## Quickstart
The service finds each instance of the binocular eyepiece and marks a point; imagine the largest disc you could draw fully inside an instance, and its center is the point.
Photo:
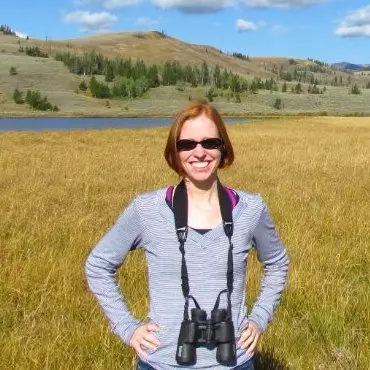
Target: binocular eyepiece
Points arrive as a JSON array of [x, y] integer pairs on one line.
[[199, 331]]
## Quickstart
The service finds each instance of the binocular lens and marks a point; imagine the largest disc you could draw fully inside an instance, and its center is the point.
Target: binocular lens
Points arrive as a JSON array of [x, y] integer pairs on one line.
[[198, 314], [218, 315]]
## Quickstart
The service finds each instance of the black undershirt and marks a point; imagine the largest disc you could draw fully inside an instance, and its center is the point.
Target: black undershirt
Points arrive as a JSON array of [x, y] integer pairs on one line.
[[201, 231]]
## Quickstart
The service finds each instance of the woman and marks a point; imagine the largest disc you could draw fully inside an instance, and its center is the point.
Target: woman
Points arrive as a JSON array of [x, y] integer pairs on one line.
[[211, 260]]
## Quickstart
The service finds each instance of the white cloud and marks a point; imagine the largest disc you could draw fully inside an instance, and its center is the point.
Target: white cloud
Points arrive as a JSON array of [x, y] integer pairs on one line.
[[209, 6], [146, 22], [108, 4], [96, 22], [21, 35], [194, 6], [243, 25], [356, 24], [284, 4], [278, 28]]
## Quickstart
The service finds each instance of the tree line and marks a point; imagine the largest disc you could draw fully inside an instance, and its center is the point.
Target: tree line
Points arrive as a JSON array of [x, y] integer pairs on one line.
[[6, 30], [34, 99], [33, 51], [132, 79]]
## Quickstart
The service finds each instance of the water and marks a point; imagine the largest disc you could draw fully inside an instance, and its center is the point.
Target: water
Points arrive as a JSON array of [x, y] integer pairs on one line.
[[66, 124]]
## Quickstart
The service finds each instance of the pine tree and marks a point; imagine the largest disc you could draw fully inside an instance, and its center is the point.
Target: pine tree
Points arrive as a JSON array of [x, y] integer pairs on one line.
[[217, 77], [109, 74], [18, 97], [153, 77], [204, 74], [278, 104]]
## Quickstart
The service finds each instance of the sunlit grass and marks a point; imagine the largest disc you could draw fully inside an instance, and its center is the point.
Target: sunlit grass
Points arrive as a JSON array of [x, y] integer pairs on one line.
[[59, 192]]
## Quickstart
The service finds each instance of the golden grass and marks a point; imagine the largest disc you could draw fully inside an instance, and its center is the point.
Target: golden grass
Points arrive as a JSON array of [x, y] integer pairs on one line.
[[61, 191]]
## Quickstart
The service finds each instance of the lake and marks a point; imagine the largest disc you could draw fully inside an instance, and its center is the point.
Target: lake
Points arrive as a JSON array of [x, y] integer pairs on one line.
[[66, 124]]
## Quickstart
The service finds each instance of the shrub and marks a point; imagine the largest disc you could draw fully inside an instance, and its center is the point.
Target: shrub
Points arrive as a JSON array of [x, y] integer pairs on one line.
[[36, 101], [82, 86], [12, 71], [355, 90], [123, 87], [18, 97], [314, 90], [298, 88], [34, 51], [180, 86], [99, 90], [211, 93], [278, 104]]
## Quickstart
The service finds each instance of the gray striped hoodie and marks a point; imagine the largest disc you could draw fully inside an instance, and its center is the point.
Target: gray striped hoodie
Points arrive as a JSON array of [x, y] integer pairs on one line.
[[148, 223]]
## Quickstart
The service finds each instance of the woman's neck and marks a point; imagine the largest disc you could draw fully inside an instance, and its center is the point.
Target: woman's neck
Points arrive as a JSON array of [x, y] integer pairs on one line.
[[202, 193]]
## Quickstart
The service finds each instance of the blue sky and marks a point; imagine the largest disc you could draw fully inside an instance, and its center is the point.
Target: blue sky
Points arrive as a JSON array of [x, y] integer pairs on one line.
[[327, 30]]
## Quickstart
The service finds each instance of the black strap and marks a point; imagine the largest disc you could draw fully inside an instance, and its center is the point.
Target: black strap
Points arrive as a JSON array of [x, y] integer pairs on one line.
[[180, 209], [227, 219]]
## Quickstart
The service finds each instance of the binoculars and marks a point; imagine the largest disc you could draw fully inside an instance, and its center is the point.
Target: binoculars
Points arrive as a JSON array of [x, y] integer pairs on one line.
[[218, 331]]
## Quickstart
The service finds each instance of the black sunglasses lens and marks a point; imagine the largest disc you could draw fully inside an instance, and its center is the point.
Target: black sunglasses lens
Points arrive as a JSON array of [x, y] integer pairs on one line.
[[185, 145], [212, 143]]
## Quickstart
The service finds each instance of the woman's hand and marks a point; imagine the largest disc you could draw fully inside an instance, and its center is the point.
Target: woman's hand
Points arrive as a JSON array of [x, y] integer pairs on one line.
[[249, 337], [143, 338]]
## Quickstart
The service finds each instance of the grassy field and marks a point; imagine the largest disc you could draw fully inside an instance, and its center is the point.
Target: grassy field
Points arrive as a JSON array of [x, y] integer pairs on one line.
[[61, 191]]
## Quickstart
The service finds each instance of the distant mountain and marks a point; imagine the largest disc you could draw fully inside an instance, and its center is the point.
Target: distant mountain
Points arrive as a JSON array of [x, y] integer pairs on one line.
[[349, 67]]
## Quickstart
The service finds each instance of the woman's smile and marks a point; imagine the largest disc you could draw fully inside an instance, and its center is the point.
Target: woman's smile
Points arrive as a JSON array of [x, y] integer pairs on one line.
[[201, 165]]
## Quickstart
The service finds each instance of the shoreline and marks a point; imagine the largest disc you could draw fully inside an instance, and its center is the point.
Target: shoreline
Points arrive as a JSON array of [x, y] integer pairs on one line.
[[19, 115], [9, 115]]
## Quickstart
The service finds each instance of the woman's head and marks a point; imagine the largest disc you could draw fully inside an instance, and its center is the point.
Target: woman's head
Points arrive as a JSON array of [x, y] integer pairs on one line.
[[196, 122]]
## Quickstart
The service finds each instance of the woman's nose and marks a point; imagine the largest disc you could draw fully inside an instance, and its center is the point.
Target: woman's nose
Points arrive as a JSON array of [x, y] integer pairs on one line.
[[199, 150]]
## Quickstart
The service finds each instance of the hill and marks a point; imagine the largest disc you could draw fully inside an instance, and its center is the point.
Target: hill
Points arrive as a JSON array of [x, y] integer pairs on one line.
[[155, 47], [53, 79], [349, 67]]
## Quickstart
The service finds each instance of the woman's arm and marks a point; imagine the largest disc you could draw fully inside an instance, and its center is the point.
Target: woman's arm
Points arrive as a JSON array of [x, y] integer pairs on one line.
[[271, 253], [101, 267]]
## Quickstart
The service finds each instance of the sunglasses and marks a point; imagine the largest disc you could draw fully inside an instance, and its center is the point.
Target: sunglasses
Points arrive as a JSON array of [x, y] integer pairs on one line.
[[187, 144]]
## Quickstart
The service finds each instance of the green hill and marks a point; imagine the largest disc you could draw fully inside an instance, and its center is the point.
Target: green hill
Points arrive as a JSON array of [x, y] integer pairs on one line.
[[53, 79]]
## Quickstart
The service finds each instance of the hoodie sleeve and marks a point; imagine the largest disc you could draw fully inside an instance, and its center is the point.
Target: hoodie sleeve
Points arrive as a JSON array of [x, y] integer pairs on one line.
[[101, 267], [271, 253]]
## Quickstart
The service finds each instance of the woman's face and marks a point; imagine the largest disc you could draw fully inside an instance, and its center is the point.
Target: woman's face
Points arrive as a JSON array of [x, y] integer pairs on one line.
[[199, 164]]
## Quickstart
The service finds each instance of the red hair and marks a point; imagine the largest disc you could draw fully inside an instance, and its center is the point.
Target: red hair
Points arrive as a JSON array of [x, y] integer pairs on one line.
[[191, 111]]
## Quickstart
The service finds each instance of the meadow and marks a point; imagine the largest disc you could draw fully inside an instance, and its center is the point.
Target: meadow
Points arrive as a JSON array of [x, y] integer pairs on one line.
[[60, 192]]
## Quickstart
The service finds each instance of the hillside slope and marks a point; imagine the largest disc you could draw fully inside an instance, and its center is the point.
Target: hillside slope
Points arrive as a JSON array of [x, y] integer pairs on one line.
[[53, 79]]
